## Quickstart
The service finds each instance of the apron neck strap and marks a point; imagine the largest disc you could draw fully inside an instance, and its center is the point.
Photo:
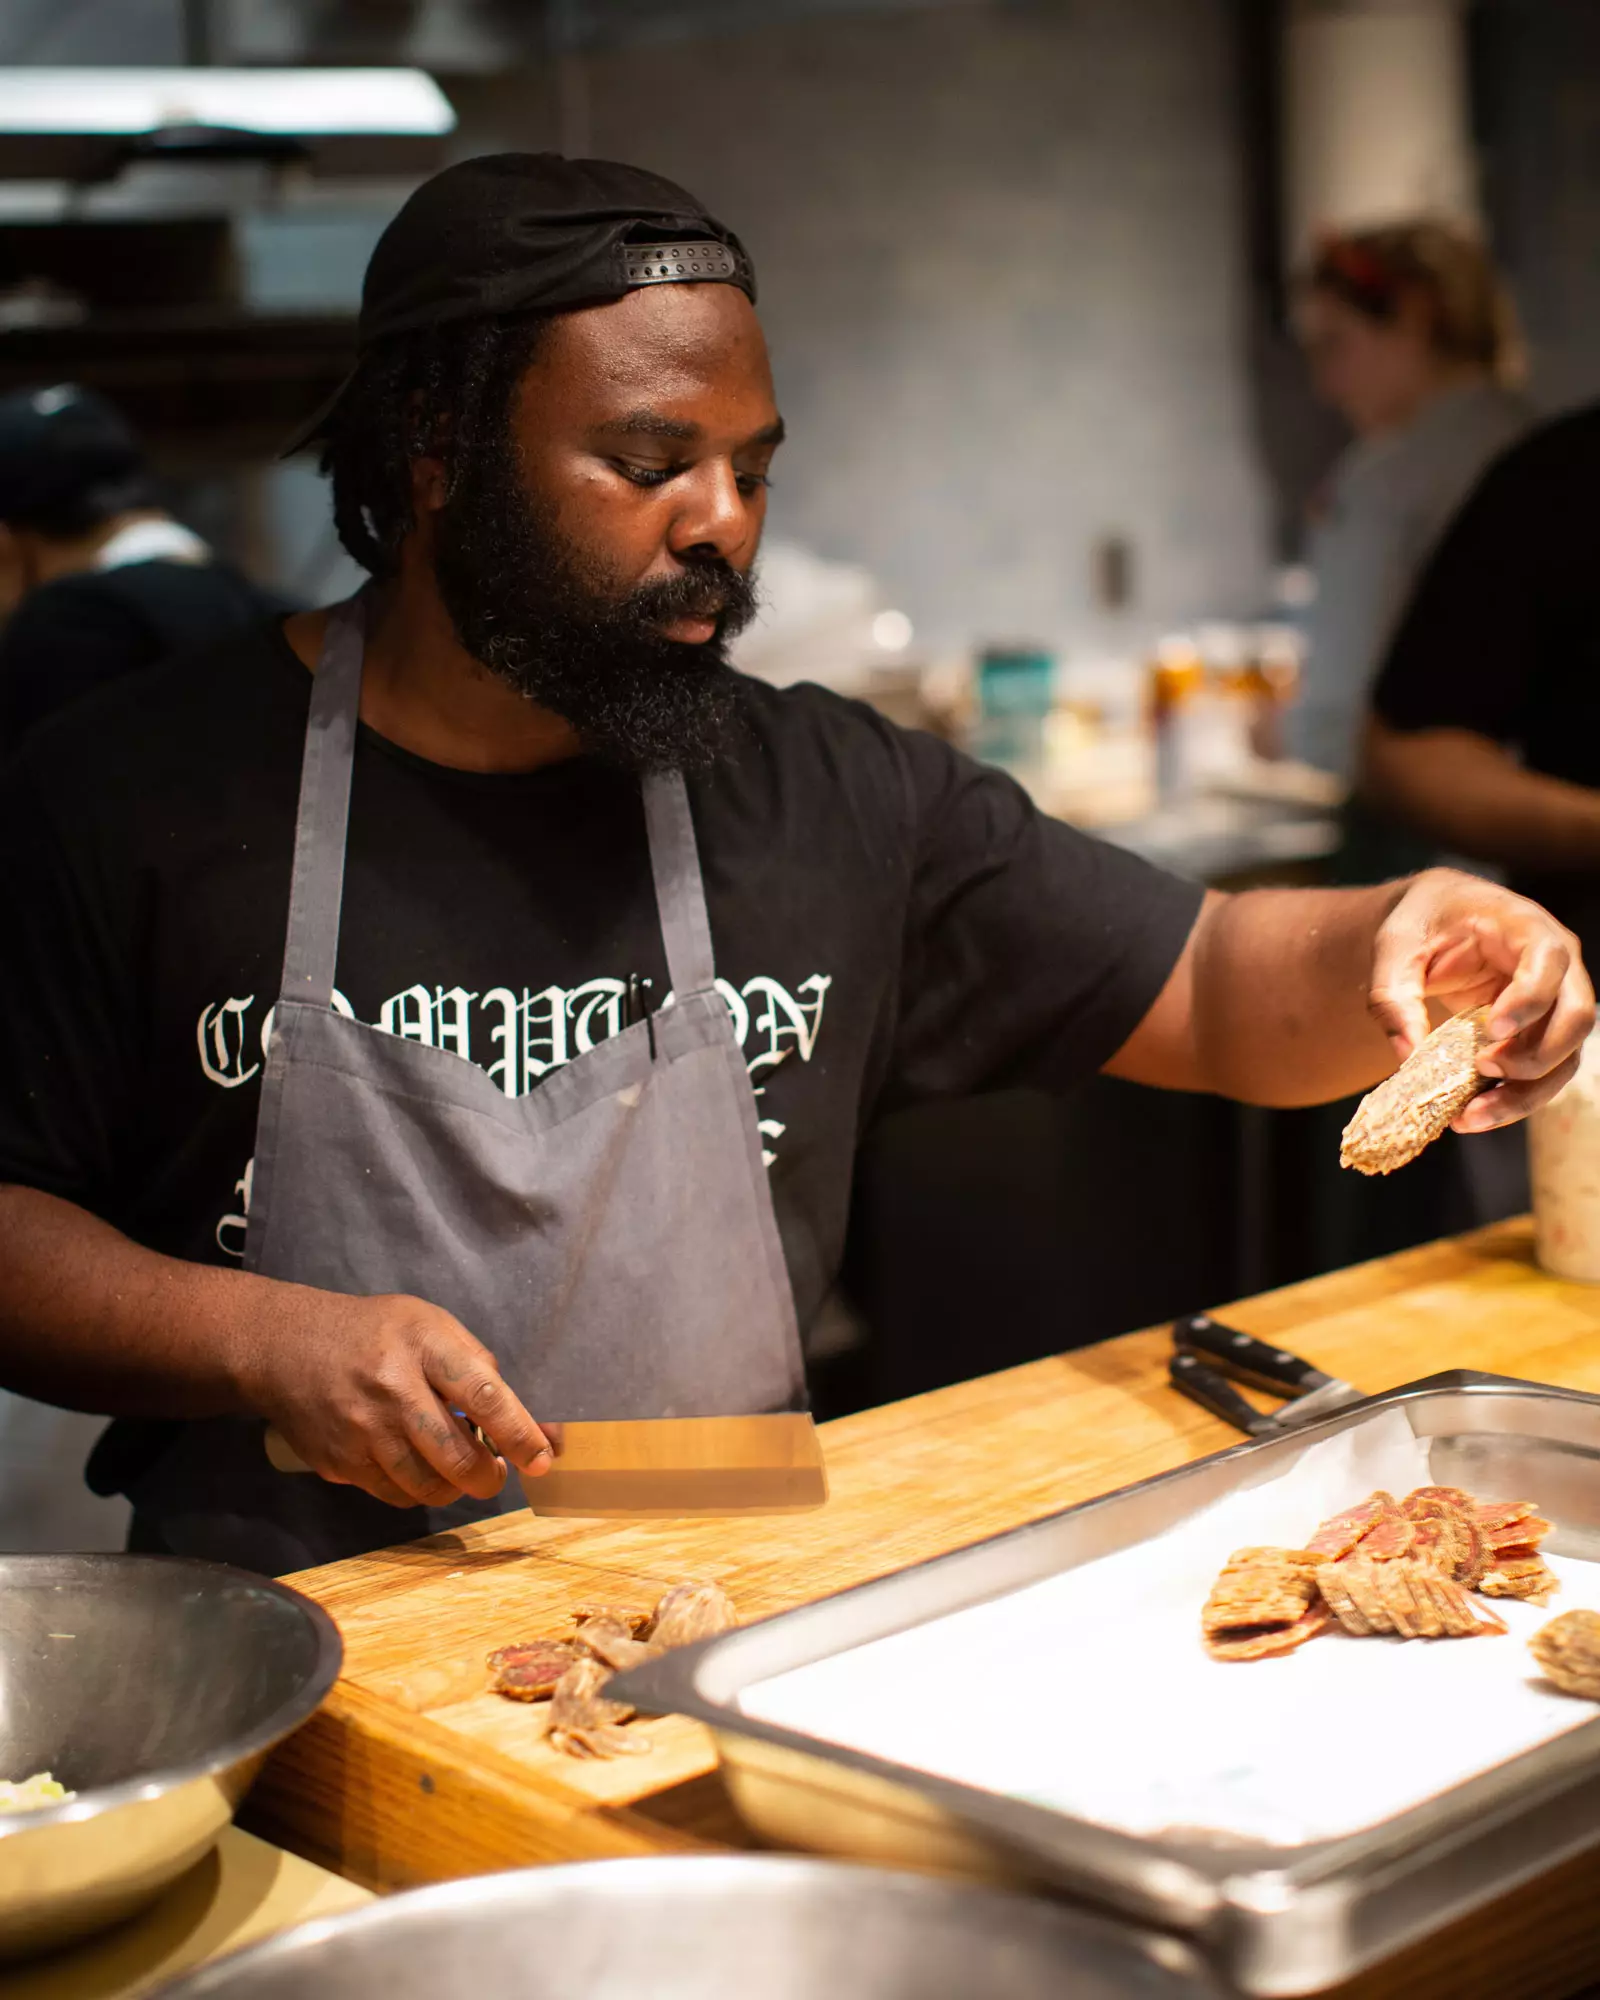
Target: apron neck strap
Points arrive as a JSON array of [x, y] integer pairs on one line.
[[680, 892], [316, 888]]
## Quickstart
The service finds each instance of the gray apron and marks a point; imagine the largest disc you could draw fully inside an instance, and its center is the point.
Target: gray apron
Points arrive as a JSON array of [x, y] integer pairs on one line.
[[610, 1235]]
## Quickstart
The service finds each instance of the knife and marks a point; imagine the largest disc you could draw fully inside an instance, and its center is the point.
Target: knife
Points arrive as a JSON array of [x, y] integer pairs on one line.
[[1312, 1394]]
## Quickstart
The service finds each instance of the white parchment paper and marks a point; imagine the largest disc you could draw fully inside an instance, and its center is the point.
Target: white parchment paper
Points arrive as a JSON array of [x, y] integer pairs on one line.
[[1122, 1719]]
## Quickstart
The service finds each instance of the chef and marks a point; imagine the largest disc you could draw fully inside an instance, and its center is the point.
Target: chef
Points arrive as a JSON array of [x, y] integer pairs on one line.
[[463, 1010]]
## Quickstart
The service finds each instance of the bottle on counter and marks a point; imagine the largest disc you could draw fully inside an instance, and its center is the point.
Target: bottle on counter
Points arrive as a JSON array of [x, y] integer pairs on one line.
[[1016, 687], [1175, 684], [1273, 678], [1564, 1160]]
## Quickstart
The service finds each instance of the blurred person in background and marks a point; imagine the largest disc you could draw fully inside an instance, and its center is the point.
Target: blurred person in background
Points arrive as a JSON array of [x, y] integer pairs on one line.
[[96, 578], [1411, 337], [1485, 732]]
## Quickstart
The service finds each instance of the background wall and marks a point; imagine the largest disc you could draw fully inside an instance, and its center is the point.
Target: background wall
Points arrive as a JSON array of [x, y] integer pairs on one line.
[[1537, 76], [1000, 252]]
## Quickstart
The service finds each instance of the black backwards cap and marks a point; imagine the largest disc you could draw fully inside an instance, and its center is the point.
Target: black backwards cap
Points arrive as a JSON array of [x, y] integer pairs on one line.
[[57, 446], [532, 233]]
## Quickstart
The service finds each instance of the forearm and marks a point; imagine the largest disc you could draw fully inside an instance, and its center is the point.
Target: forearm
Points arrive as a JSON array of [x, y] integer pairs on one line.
[[1472, 796], [92, 1321], [1280, 998]]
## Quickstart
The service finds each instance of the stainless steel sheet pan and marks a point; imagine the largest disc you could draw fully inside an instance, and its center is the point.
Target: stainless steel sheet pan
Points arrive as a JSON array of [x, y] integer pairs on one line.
[[1274, 1920]]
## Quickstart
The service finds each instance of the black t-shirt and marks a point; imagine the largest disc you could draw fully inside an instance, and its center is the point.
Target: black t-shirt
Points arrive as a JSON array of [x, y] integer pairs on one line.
[[1502, 636], [891, 922], [72, 636]]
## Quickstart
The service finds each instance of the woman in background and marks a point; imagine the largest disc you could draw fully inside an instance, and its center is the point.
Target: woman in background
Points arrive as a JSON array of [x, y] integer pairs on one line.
[[1411, 337]]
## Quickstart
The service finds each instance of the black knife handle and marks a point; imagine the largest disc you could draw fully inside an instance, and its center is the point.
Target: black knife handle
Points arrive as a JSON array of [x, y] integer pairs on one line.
[[1203, 1385], [1251, 1360]]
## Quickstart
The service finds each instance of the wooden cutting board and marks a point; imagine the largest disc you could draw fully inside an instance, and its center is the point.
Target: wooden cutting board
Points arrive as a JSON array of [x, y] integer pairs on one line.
[[414, 1772]]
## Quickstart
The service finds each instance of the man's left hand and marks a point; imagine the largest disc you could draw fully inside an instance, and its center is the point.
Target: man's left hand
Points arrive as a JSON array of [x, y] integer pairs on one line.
[[1460, 942]]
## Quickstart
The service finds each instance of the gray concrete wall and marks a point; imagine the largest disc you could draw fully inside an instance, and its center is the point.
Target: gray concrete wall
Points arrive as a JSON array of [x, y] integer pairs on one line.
[[1000, 256], [1537, 78]]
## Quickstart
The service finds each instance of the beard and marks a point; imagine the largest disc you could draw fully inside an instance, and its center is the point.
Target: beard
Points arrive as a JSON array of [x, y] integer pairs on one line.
[[531, 608]]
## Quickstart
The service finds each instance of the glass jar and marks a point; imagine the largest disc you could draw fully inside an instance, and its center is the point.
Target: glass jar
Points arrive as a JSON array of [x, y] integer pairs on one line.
[[1564, 1161]]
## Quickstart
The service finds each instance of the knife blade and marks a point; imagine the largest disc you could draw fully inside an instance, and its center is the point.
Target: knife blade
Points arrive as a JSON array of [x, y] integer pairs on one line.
[[1327, 1401]]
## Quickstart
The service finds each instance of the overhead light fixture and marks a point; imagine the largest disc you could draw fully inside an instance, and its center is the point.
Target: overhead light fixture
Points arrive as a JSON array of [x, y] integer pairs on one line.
[[84, 125], [293, 103]]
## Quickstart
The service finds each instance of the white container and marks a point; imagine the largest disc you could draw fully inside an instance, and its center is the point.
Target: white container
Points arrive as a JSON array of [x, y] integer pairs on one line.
[[1564, 1158]]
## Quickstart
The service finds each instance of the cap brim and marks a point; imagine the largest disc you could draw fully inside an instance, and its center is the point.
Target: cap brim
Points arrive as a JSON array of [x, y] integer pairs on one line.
[[317, 424]]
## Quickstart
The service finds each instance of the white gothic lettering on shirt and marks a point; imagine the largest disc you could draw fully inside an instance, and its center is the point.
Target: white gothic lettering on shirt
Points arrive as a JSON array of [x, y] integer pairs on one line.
[[516, 1036]]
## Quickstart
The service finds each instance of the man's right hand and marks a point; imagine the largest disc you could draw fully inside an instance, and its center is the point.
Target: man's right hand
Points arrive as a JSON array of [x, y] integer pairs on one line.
[[363, 1390]]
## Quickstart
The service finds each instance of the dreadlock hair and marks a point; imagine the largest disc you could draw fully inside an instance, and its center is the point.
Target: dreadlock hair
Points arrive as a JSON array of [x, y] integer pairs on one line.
[[443, 391]]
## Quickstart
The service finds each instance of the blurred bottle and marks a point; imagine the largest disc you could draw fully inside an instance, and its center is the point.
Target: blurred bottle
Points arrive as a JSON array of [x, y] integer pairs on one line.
[[1273, 680], [1016, 687], [1175, 685], [1227, 706]]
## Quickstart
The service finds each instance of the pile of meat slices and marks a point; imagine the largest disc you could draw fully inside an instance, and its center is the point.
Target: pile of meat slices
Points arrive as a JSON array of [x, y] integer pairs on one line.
[[571, 1672], [1404, 1567]]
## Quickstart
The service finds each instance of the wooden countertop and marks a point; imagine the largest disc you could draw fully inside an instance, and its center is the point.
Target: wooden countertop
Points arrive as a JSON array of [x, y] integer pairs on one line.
[[413, 1772], [242, 1891]]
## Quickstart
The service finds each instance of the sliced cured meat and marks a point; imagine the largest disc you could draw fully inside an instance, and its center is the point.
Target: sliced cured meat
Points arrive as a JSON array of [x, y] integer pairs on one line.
[[1423, 1500], [1258, 1558], [691, 1611], [630, 1617], [1475, 1556], [1568, 1651], [1362, 1583], [1403, 1597], [608, 1741], [1494, 1514], [1451, 1543], [1434, 1541], [1248, 1599], [582, 1718], [1415, 1106], [1518, 1537], [1339, 1535], [1395, 1589], [1265, 1645], [1341, 1601], [1405, 1591], [1527, 1577], [1451, 1605], [614, 1649], [530, 1672], [1387, 1539]]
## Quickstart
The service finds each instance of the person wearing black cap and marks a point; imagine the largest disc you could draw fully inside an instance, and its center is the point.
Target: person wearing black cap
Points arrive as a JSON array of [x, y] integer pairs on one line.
[[459, 1017], [96, 577]]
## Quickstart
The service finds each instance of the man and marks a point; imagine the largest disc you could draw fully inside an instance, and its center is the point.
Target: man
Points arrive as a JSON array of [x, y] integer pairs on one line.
[[1486, 725], [96, 578], [523, 1073]]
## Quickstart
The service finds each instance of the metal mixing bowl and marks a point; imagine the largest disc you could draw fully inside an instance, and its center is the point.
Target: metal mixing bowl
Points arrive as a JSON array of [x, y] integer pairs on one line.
[[747, 1927], [153, 1688]]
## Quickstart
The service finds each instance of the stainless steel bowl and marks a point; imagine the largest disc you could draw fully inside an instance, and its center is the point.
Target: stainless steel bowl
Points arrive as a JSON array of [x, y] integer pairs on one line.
[[153, 1688], [747, 1927]]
